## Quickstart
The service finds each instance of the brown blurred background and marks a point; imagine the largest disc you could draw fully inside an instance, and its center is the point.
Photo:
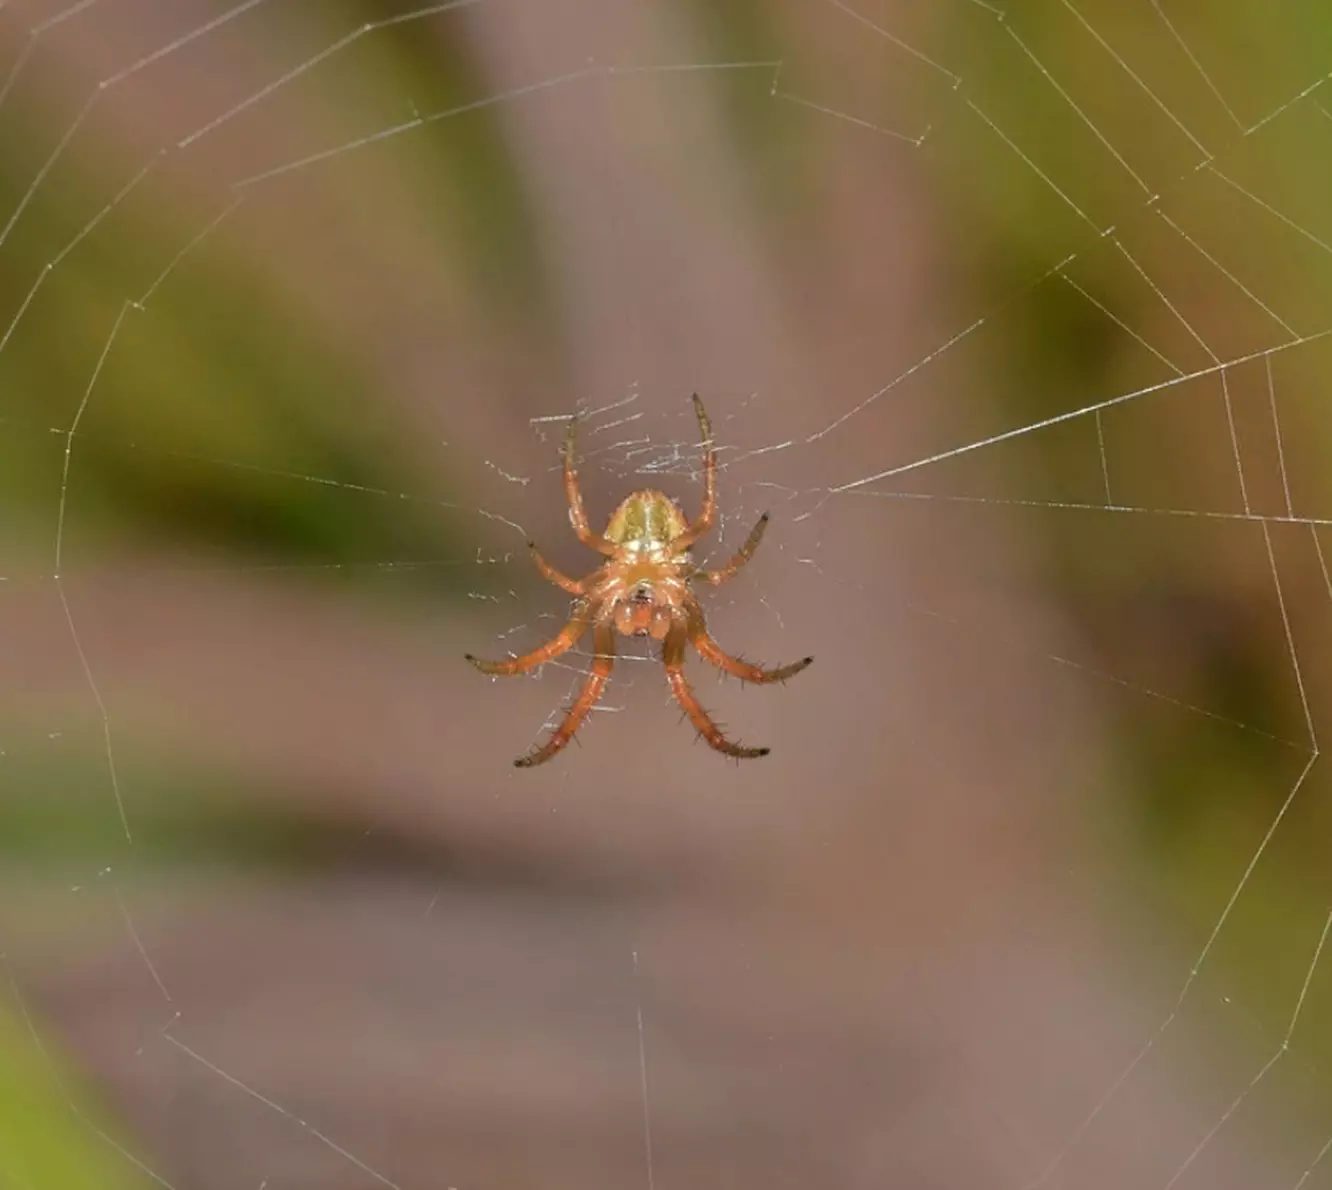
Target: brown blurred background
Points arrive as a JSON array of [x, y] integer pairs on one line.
[[297, 299]]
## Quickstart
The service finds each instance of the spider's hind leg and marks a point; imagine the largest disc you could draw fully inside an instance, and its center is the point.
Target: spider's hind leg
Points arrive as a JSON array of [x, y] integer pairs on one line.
[[713, 653], [672, 655], [604, 643]]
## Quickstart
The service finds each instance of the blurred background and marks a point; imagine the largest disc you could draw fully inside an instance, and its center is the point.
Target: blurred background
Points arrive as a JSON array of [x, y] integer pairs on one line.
[[1015, 318]]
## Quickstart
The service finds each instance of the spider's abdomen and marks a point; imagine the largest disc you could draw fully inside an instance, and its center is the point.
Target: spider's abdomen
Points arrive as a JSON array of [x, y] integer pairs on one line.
[[648, 519]]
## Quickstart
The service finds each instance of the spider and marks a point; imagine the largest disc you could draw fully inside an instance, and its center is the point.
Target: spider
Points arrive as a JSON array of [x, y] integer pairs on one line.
[[642, 590]]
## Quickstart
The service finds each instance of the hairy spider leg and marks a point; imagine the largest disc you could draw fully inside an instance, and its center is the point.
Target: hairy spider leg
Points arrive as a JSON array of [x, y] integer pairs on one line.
[[703, 522], [603, 640], [672, 655], [742, 555], [577, 513], [572, 585], [562, 642], [713, 653]]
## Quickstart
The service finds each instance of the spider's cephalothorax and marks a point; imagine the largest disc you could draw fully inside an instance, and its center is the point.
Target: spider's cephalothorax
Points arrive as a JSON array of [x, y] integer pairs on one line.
[[643, 590]]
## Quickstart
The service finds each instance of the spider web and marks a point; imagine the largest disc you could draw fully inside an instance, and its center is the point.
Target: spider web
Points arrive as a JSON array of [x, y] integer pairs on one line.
[[1016, 322]]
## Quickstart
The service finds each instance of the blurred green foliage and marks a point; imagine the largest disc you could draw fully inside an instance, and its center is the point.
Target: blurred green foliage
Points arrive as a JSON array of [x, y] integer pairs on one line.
[[1182, 606], [45, 1140], [225, 416]]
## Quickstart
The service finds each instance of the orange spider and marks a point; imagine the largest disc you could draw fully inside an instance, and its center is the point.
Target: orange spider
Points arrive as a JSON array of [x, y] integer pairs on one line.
[[643, 590]]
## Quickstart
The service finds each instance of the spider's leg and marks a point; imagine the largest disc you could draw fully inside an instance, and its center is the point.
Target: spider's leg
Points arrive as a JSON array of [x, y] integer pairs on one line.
[[712, 652], [708, 514], [672, 655], [562, 642], [603, 638], [577, 513], [742, 555], [572, 585]]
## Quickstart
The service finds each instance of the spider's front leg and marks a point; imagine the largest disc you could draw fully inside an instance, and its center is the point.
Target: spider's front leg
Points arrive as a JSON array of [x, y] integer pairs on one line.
[[574, 494], [672, 655], [742, 555], [708, 514], [603, 640]]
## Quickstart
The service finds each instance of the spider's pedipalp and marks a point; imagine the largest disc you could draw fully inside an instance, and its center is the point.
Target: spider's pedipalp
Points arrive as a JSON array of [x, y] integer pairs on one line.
[[574, 494], [742, 555], [672, 655], [562, 642], [603, 640]]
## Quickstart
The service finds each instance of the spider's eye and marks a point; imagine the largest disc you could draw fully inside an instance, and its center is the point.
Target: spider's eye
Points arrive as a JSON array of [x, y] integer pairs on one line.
[[643, 593]]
